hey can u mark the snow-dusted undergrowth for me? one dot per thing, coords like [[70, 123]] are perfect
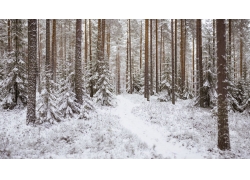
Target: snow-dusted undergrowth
[[192, 127], [100, 137], [134, 128]]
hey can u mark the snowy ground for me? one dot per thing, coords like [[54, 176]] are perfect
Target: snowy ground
[[134, 128]]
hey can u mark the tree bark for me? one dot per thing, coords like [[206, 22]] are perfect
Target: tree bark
[[172, 56], [130, 59], [78, 69], [223, 129], [32, 73], [156, 55], [141, 47], [90, 59], [229, 49], [175, 56], [151, 57], [54, 51], [86, 45], [200, 63], [146, 61]]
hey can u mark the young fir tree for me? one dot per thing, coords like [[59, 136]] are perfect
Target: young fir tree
[[48, 110], [13, 86], [104, 93]]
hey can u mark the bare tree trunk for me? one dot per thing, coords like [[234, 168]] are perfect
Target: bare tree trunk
[[146, 60], [47, 63], [200, 63], [213, 42], [39, 57], [90, 59], [241, 55], [223, 129], [127, 60], [193, 66], [175, 56], [151, 58], [161, 57], [54, 51], [78, 67], [181, 55], [156, 56], [229, 49], [172, 56], [99, 40], [86, 45], [32, 71], [130, 59], [141, 47], [103, 38], [9, 35]]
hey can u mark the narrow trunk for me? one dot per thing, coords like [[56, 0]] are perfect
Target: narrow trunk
[[9, 36], [39, 57], [200, 64], [130, 59], [32, 73], [86, 45], [161, 58], [90, 59], [103, 38], [78, 69], [151, 57], [229, 49], [146, 61], [172, 57], [54, 51], [47, 63], [175, 56], [223, 129], [156, 56], [141, 47]]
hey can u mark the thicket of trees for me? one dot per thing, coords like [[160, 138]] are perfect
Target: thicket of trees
[[58, 67]]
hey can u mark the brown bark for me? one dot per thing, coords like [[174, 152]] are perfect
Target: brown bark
[[229, 48], [161, 57], [241, 55], [181, 56], [141, 47], [175, 55], [103, 38], [200, 63], [151, 57], [130, 59], [127, 59], [172, 57], [78, 67], [53, 57], [193, 66], [156, 55], [32, 72], [223, 129], [9, 35], [39, 57], [99, 41], [90, 59], [86, 45], [146, 61]]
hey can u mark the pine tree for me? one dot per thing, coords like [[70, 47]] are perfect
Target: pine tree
[[32, 73], [13, 87], [223, 129], [78, 67]]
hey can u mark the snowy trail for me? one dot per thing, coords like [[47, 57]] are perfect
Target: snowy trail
[[148, 133]]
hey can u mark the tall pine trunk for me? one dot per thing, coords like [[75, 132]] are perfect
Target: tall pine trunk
[[90, 59], [130, 60], [78, 69], [151, 57], [146, 80], [54, 51], [172, 57], [32, 73], [156, 56], [223, 129]]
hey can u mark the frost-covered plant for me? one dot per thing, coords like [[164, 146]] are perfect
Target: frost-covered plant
[[105, 89]]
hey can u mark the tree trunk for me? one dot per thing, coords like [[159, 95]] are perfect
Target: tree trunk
[[90, 59], [130, 59], [54, 51], [172, 56], [193, 66], [229, 49], [103, 38], [141, 47], [86, 45], [146, 61], [223, 129], [156, 55], [200, 63], [175, 56], [78, 69], [32, 72], [161, 57], [181, 56], [151, 57], [241, 55], [39, 57], [99, 40], [9, 36]]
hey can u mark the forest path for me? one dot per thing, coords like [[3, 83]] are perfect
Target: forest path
[[147, 132]]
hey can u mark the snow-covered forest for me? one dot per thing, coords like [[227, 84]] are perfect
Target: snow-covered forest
[[124, 88]]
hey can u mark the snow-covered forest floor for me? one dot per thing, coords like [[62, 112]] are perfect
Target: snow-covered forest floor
[[134, 128]]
